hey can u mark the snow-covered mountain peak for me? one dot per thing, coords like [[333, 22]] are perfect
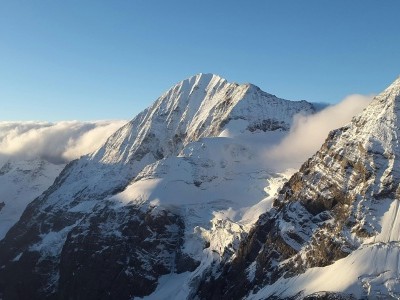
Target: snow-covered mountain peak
[[385, 106], [198, 81], [202, 105], [390, 95], [394, 88], [204, 79], [376, 128], [159, 197]]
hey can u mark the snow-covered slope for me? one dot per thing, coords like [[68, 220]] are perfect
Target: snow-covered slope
[[167, 193], [219, 186], [21, 181], [333, 230]]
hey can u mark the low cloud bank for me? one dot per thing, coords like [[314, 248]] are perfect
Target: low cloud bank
[[308, 133], [56, 142], [63, 141]]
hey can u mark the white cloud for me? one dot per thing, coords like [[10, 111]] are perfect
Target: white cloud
[[63, 141], [90, 140], [308, 133], [57, 142]]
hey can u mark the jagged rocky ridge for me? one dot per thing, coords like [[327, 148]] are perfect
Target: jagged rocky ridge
[[334, 227], [89, 236]]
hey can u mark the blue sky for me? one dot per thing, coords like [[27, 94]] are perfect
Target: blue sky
[[90, 60]]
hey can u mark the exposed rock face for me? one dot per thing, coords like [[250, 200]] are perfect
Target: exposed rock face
[[133, 254], [110, 254], [343, 200], [76, 241], [329, 296]]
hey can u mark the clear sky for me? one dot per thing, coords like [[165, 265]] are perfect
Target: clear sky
[[90, 60]]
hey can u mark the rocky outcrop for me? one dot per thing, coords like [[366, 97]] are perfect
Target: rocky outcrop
[[110, 253], [127, 249]]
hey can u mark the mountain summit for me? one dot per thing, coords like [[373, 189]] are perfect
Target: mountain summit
[[149, 202], [203, 105]]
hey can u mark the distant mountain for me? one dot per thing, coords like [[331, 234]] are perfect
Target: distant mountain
[[32, 155], [161, 203], [333, 231], [20, 182]]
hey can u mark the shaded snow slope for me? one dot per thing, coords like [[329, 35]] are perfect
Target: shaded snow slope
[[219, 186]]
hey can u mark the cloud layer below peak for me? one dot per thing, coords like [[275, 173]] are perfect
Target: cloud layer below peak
[[308, 133], [56, 142], [64, 141]]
